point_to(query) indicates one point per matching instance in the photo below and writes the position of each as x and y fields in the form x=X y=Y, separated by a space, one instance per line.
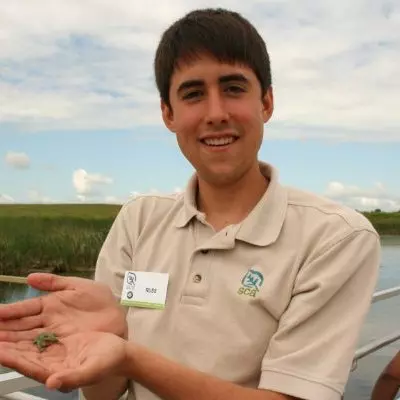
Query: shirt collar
x=189 y=208
x=264 y=223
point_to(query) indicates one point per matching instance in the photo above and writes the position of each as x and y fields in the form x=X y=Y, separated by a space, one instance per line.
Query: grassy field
x=56 y=238
x=385 y=223
x=67 y=238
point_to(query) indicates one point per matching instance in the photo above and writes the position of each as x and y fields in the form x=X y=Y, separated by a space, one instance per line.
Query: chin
x=221 y=176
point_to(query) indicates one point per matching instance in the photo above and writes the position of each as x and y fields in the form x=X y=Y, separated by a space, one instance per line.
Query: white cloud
x=35 y=196
x=87 y=184
x=113 y=200
x=363 y=199
x=134 y=194
x=17 y=160
x=6 y=199
x=88 y=64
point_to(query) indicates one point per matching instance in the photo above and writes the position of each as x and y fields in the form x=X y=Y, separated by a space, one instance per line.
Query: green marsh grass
x=66 y=238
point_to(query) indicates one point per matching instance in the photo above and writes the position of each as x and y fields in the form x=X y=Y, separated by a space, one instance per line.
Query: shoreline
x=66 y=239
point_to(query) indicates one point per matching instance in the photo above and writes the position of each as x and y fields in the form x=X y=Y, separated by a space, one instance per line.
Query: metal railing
x=378 y=344
x=385 y=294
x=20 y=396
x=12 y=383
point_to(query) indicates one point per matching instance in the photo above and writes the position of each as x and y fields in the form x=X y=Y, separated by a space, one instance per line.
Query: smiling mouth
x=223 y=141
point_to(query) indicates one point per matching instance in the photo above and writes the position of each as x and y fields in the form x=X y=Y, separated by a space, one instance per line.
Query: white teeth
x=219 y=141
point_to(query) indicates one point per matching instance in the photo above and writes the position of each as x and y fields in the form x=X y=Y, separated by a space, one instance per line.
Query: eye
x=235 y=89
x=192 y=95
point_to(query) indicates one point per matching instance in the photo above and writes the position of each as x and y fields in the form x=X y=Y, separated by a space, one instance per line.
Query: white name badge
x=144 y=289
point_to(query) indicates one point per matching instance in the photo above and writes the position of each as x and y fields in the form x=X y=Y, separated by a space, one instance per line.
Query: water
x=381 y=320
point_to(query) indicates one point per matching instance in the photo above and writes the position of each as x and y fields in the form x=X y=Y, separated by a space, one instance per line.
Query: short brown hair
x=225 y=35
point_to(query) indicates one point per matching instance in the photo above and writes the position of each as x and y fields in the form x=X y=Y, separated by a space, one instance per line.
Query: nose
x=217 y=112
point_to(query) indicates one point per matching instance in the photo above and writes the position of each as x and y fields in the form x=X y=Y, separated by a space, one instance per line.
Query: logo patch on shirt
x=251 y=283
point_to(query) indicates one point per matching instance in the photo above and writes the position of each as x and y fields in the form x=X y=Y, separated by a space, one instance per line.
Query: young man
x=388 y=383
x=268 y=286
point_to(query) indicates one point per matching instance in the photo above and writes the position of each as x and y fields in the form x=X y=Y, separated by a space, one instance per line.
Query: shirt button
x=204 y=251
x=197 y=278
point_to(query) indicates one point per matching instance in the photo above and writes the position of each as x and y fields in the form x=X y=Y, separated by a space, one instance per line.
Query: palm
x=73 y=305
x=78 y=360
x=93 y=309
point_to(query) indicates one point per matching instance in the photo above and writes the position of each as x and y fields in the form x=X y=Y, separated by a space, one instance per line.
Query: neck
x=225 y=205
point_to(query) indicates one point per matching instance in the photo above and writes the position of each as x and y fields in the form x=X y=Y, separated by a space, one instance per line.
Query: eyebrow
x=223 y=79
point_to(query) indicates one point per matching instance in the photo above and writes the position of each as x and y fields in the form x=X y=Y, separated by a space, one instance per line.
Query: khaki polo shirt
x=276 y=302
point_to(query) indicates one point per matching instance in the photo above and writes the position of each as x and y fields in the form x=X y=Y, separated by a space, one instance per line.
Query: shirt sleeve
x=116 y=254
x=311 y=353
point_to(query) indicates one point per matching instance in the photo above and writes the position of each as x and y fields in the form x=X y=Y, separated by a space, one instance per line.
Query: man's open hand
x=72 y=305
x=77 y=360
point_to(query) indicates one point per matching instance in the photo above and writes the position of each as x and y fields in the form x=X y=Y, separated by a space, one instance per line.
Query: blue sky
x=79 y=113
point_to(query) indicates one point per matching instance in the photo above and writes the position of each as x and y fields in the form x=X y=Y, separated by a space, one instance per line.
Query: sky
x=79 y=110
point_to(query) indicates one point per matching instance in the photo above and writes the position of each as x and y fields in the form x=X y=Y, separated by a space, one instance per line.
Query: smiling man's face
x=218 y=114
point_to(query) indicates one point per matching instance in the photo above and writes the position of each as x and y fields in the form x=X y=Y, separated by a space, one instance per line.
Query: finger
x=22 y=324
x=20 y=309
x=54 y=382
x=69 y=379
x=53 y=283
x=17 y=336
x=15 y=360
x=58 y=381
x=23 y=347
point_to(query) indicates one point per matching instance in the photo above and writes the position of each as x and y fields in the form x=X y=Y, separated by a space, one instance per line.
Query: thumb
x=70 y=379
x=52 y=283
x=54 y=382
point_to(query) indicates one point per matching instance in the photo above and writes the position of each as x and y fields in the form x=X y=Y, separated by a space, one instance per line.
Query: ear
x=268 y=104
x=167 y=115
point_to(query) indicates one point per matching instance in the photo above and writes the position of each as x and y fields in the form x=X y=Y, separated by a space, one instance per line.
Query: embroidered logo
x=251 y=283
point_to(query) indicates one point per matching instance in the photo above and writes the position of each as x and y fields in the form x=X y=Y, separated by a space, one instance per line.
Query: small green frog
x=45 y=339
